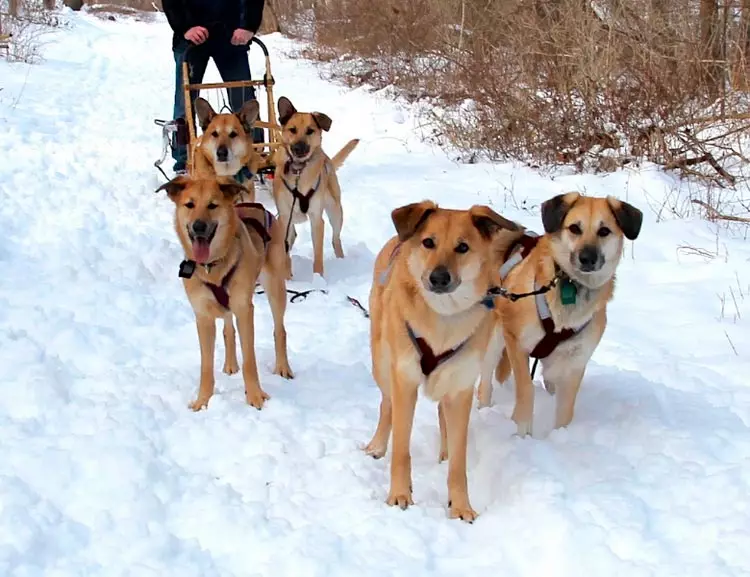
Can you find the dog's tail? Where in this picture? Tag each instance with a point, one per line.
(342, 154)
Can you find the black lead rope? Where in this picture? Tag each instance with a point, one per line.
(298, 295)
(513, 297)
(289, 224)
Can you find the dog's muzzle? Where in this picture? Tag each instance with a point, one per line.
(590, 259)
(441, 281)
(222, 153)
(300, 149)
(202, 230)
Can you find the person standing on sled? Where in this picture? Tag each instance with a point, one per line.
(218, 29)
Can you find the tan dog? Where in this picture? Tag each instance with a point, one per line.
(228, 249)
(430, 324)
(305, 183)
(576, 259)
(226, 145)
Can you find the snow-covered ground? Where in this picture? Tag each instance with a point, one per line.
(105, 471)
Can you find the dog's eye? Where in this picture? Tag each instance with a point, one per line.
(212, 205)
(603, 231)
(462, 248)
(428, 243)
(189, 204)
(309, 131)
(293, 130)
(232, 134)
(215, 134)
(575, 229)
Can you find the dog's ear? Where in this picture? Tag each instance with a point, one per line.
(410, 218)
(231, 188)
(555, 209)
(204, 112)
(322, 120)
(248, 114)
(174, 187)
(286, 110)
(488, 222)
(628, 217)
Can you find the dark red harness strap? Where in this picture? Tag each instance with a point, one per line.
(428, 360)
(262, 228)
(527, 243)
(550, 340)
(220, 291)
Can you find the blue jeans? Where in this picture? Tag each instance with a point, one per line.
(232, 64)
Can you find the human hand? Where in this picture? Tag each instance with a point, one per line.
(197, 35)
(241, 36)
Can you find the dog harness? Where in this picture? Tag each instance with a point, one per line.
(428, 360)
(220, 291)
(302, 199)
(518, 251)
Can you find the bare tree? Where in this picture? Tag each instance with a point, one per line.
(711, 43)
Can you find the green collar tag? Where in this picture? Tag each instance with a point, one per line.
(568, 292)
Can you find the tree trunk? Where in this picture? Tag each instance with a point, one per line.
(13, 7)
(49, 4)
(711, 45)
(740, 67)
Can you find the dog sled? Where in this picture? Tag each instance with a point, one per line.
(183, 132)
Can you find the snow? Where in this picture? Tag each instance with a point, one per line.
(105, 471)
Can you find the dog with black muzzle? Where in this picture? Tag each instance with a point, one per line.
(305, 183)
(430, 321)
(572, 269)
(226, 145)
(228, 248)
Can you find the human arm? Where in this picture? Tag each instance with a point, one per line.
(183, 21)
(251, 15)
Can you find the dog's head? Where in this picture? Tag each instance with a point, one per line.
(204, 214)
(450, 253)
(302, 132)
(587, 234)
(227, 138)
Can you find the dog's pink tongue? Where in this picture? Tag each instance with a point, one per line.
(201, 248)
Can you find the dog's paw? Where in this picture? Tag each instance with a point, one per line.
(400, 499)
(376, 450)
(256, 398)
(231, 367)
(198, 404)
(484, 398)
(464, 512)
(523, 427)
(283, 370)
(549, 387)
(443, 455)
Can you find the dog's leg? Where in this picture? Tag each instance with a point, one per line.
(335, 213)
(492, 354)
(254, 395)
(443, 433)
(567, 391)
(380, 358)
(318, 232)
(523, 413)
(231, 366)
(404, 396)
(457, 413)
(275, 289)
(207, 338)
(502, 372)
(378, 446)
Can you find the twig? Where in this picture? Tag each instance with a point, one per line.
(731, 344)
(714, 214)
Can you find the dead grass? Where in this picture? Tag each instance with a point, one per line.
(596, 85)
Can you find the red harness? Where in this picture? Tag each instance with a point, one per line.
(551, 338)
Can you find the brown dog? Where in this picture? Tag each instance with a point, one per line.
(305, 183)
(226, 145)
(228, 248)
(576, 260)
(430, 322)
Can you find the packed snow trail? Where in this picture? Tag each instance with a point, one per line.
(105, 471)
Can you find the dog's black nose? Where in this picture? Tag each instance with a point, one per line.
(300, 148)
(200, 227)
(588, 257)
(440, 278)
(222, 153)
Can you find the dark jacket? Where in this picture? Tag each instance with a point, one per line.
(220, 17)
